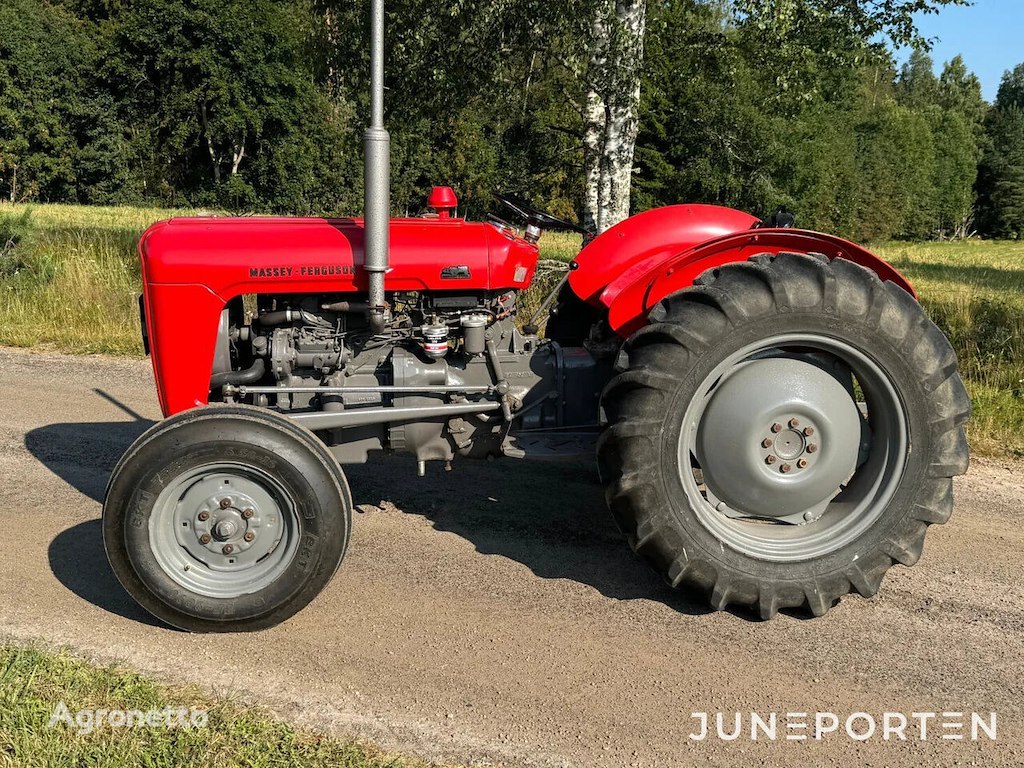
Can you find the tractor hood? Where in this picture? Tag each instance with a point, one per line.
(232, 256)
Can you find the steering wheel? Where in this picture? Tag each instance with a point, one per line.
(523, 210)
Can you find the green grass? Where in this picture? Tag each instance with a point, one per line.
(974, 291)
(34, 681)
(69, 281)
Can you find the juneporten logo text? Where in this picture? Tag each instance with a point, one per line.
(858, 726)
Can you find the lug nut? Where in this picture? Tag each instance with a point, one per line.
(802, 463)
(812, 447)
(776, 427)
(225, 502)
(808, 516)
(228, 549)
(247, 513)
(794, 423)
(808, 431)
(785, 468)
(204, 539)
(204, 516)
(769, 460)
(766, 443)
(249, 536)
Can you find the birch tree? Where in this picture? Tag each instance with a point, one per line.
(790, 30)
(611, 110)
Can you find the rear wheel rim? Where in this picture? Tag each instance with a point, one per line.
(760, 521)
(224, 530)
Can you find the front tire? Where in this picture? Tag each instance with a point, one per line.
(226, 519)
(784, 432)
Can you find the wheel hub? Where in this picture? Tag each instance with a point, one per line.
(222, 531)
(226, 523)
(789, 444)
(224, 526)
(225, 529)
(777, 440)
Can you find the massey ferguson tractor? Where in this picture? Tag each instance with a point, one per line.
(776, 420)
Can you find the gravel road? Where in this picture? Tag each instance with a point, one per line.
(492, 615)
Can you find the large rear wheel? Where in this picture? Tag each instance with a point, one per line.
(783, 432)
(226, 518)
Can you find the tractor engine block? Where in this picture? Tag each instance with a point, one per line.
(318, 354)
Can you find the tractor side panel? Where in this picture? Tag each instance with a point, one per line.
(630, 297)
(181, 324)
(649, 238)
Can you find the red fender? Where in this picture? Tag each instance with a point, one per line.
(644, 282)
(650, 238)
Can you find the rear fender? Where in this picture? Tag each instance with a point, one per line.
(650, 238)
(631, 296)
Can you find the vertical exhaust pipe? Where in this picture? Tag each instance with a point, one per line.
(377, 175)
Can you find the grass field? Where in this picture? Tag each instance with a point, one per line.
(33, 682)
(70, 283)
(974, 291)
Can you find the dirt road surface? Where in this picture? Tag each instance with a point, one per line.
(492, 615)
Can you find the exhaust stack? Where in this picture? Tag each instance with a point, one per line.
(377, 175)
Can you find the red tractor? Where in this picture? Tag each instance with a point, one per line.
(776, 420)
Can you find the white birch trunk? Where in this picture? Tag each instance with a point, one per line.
(214, 157)
(238, 152)
(594, 120)
(610, 119)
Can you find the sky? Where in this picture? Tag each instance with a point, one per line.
(989, 35)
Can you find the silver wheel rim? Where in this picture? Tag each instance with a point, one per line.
(762, 486)
(224, 530)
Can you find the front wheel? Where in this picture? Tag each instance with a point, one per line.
(226, 518)
(783, 432)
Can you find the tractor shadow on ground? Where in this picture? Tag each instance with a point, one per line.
(83, 455)
(78, 561)
(551, 517)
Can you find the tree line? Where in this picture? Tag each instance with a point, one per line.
(592, 108)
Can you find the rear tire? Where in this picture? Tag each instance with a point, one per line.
(226, 519)
(700, 489)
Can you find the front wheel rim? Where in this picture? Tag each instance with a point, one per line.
(224, 530)
(762, 522)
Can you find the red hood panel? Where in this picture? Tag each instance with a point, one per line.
(231, 256)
